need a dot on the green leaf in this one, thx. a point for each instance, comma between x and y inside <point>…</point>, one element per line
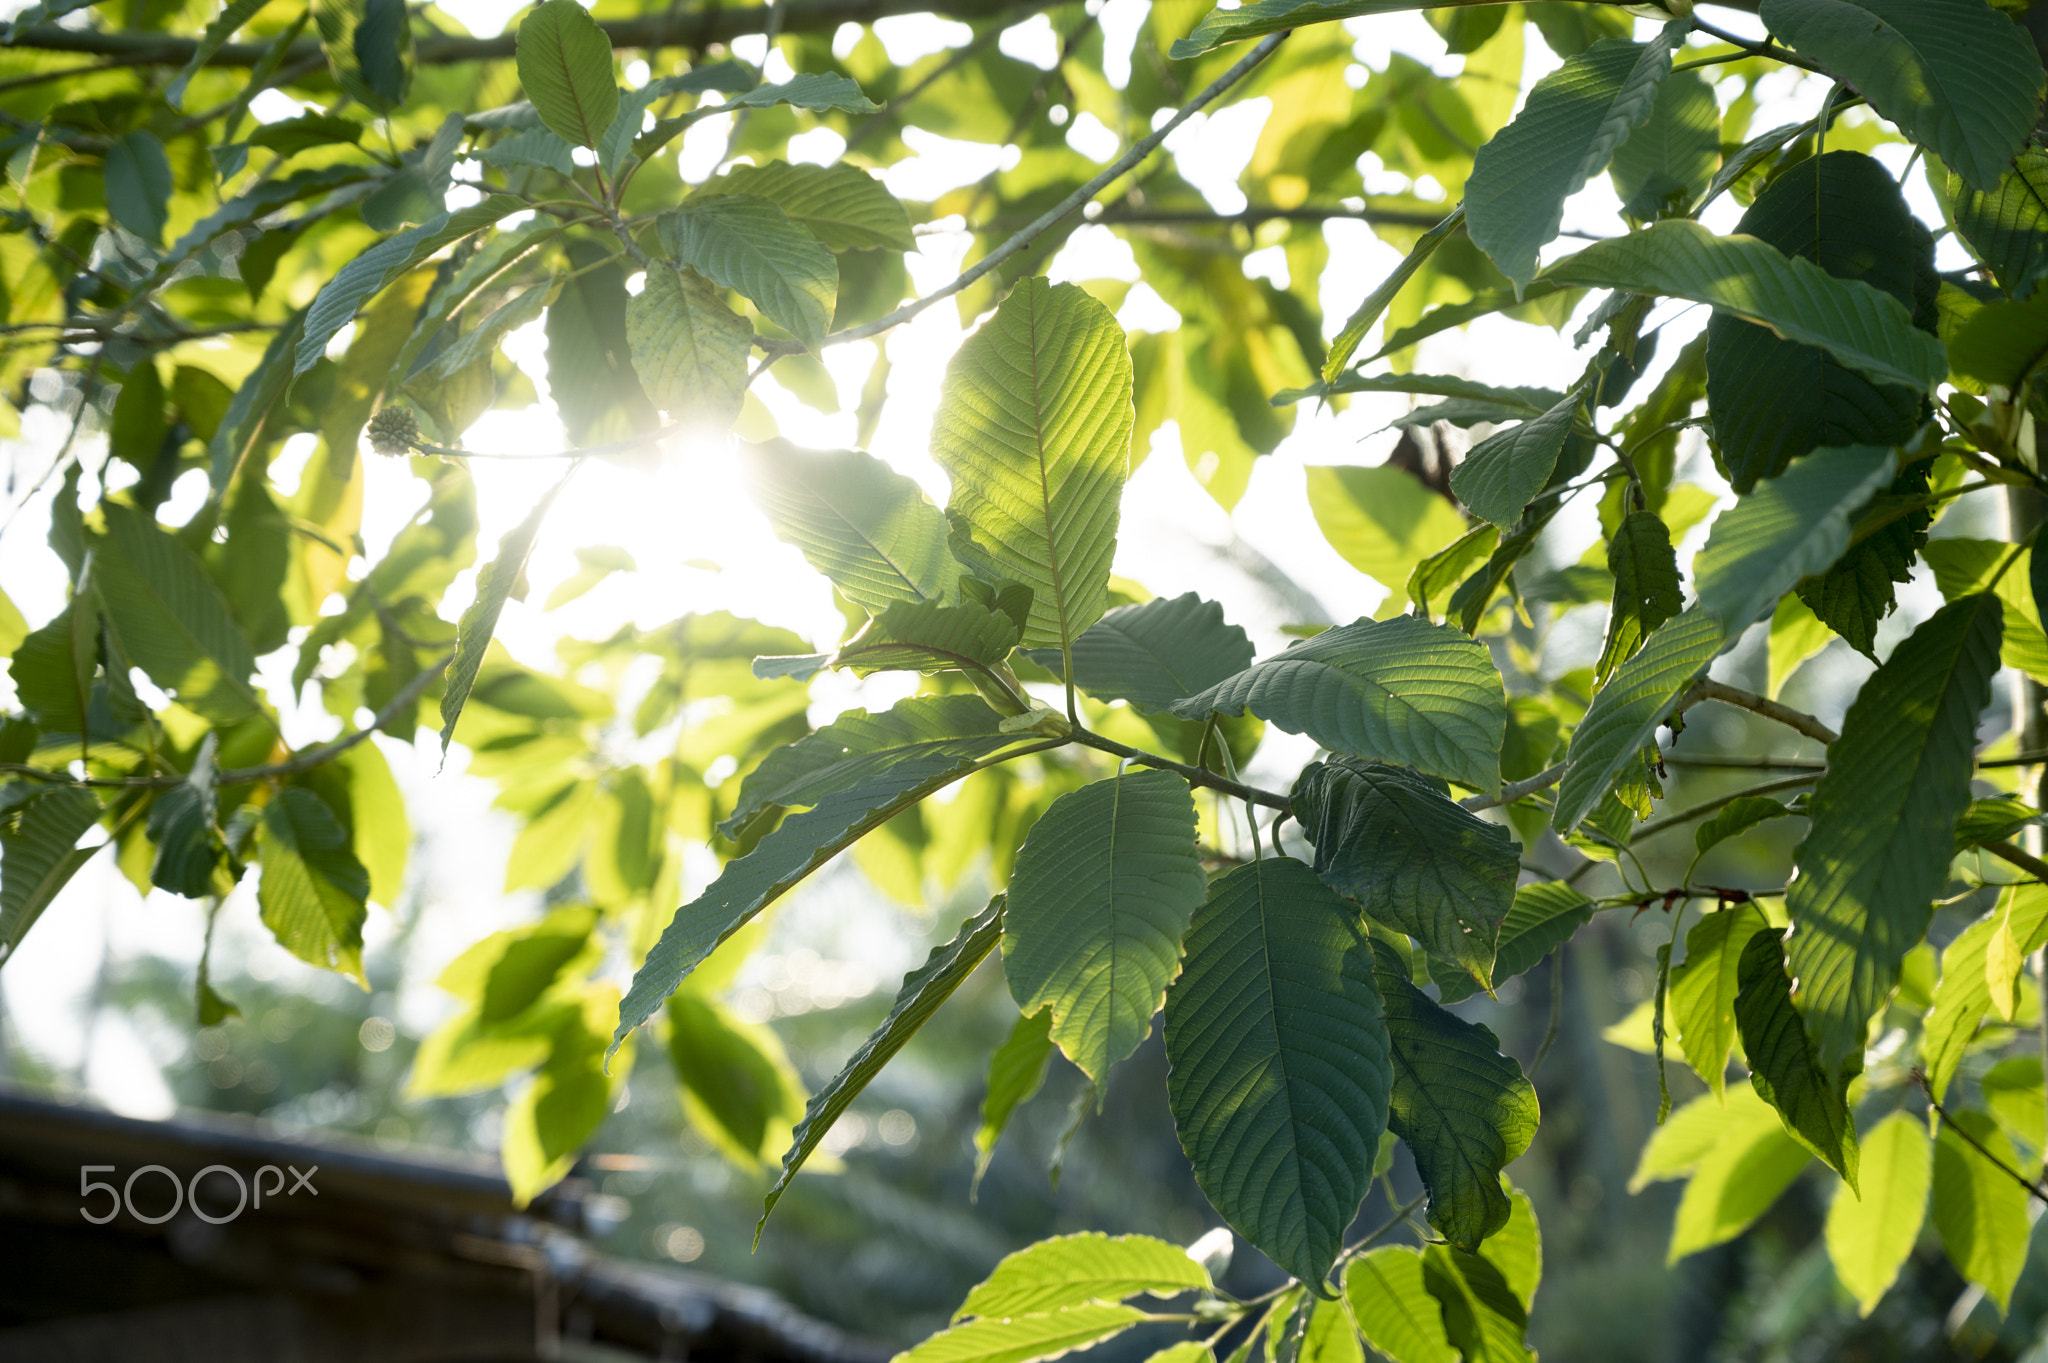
<point>689,348</point>
<point>591,371</point>
<point>39,852</point>
<point>1852,597</point>
<point>2006,225</point>
<point>313,891</point>
<point>1023,1339</point>
<point>1566,133</point>
<point>1796,635</point>
<point>1980,1209</point>
<point>500,579</point>
<point>924,989</point>
<point>1626,712</point>
<point>1384,521</point>
<point>1464,1110</point>
<point>1160,652</point>
<point>1793,526</point>
<point>1870,1236</point>
<point>1963,996</point>
<point>1543,918</point>
<point>1883,823</point>
<point>1100,899</point>
<point>1385,1290</point>
<point>222,27</point>
<point>1646,590</point>
<point>292,135</point>
<point>1076,1270</point>
<point>841,205</point>
<point>368,44</point>
<point>1668,161</point>
<point>565,67</point>
<point>1963,566</point>
<point>181,824</point>
<point>1701,999</point>
<point>1498,476</point>
<point>859,522</point>
<point>1522,401</point>
<point>737,1084</point>
<point>1279,1070</point>
<point>478,346</point>
<point>925,636</point>
<point>1015,1073</point>
<point>1400,690</point>
<point>1330,1337</point>
<point>818,92</point>
<point>1396,844</point>
<point>1482,1316</point>
<point>138,185</point>
<point>1382,296</point>
<point>1865,328</point>
<point>1994,820</point>
<point>1750,1163</point>
<point>537,148</point>
<point>2013,1091</point>
<point>1955,75</point>
<point>2001,341</point>
<point>169,619</point>
<point>1517,1249</point>
<point>1034,429</point>
<point>1749,156</point>
<point>1772,400</point>
<point>1221,26</point>
<point>748,244</point>
<point>1786,1070</point>
<point>356,282</point>
<point>1736,818</point>
<point>855,776</point>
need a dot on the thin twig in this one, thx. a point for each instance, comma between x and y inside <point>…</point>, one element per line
<point>1195,776</point>
<point>1024,237</point>
<point>1708,689</point>
<point>1556,1008</point>
<point>1656,826</point>
<point>2030,1185</point>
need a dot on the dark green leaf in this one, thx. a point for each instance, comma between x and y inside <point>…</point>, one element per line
<point>1398,845</point>
<point>815,91</point>
<point>1667,162</point>
<point>1646,590</point>
<point>924,989</point>
<point>373,66</point>
<point>1157,653</point>
<point>1736,818</point>
<point>167,618</point>
<point>181,824</point>
<point>1773,400</point>
<point>1279,1077</point>
<point>925,636</point>
<point>1785,1069</point>
<point>1464,1110</point>
<point>1566,133</point>
<point>1860,590</point>
<point>539,148</point>
<point>1399,690</point>
<point>1955,75</point>
<point>1994,820</point>
<point>591,373</point>
<point>1034,429</point>
<point>1482,1315</point>
<point>1626,712</point>
<point>1221,26</point>
<point>855,776</point>
<point>1544,917</point>
<point>733,1075</point>
<point>1498,476</point>
<point>1883,824</point>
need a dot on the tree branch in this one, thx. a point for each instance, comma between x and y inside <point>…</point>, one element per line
<point>1656,826</point>
<point>1515,790</point>
<point>1941,1112</point>
<point>1196,776</point>
<point>1708,689</point>
<point>698,30</point>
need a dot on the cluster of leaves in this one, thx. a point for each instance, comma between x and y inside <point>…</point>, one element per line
<point>1849,392</point>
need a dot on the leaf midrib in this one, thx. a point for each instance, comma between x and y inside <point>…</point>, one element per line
<point>1052,548</point>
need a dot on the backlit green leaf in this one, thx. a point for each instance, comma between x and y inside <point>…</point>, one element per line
<point>313,890</point>
<point>495,585</point>
<point>1701,1001</point>
<point>1979,1208</point>
<point>842,205</point>
<point>1023,1339</point>
<point>168,618</point>
<point>1498,476</point>
<point>1384,521</point>
<point>1963,996</point>
<point>1869,1237</point>
<point>1034,429</point>
<point>737,1084</point>
<point>2007,224</point>
<point>860,523</point>
<point>1751,1162</point>
<point>1786,1069</point>
<point>689,348</point>
<point>1074,1270</point>
<point>1865,328</point>
<point>1385,1290</point>
<point>749,245</point>
<point>1159,652</point>
<point>924,989</point>
<point>138,185</point>
<point>39,852</point>
<point>1015,1073</point>
<point>565,66</point>
<point>1543,918</point>
<point>1482,1315</point>
<point>1626,711</point>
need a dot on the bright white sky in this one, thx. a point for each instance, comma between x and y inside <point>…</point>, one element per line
<point>694,511</point>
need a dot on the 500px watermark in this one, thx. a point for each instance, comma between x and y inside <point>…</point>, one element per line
<point>123,1197</point>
